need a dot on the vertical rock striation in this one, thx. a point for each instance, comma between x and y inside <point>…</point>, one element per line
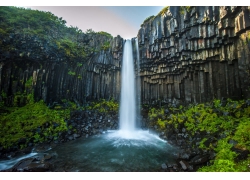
<point>195,54</point>
<point>55,78</point>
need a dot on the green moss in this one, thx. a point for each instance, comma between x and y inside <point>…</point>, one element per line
<point>79,64</point>
<point>105,106</point>
<point>28,83</point>
<point>225,121</point>
<point>224,160</point>
<point>105,46</point>
<point>161,123</point>
<point>71,73</point>
<point>24,122</point>
<point>3,94</point>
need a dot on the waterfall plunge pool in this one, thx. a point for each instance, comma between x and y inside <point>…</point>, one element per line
<point>112,151</point>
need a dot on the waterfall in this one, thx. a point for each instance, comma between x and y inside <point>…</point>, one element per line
<point>128,104</point>
<point>128,128</point>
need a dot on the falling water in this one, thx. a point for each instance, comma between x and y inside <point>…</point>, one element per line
<point>127,106</point>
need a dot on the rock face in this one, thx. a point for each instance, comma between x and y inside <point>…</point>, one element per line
<point>55,78</point>
<point>186,54</point>
<point>195,54</point>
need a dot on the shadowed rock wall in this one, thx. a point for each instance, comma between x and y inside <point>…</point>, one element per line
<point>54,80</point>
<point>195,55</point>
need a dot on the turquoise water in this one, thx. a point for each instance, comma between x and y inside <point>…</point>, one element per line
<point>110,152</point>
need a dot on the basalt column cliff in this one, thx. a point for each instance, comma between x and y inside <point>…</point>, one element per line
<point>195,54</point>
<point>35,65</point>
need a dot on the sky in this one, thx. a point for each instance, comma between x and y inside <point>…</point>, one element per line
<point>115,17</point>
<point>116,20</point>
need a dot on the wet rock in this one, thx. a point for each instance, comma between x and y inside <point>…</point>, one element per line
<point>242,154</point>
<point>70,138</point>
<point>76,135</point>
<point>21,165</point>
<point>233,142</point>
<point>42,148</point>
<point>38,167</point>
<point>47,157</point>
<point>183,164</point>
<point>199,159</point>
<point>164,166</point>
<point>184,155</point>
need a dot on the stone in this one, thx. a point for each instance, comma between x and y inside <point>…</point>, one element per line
<point>184,155</point>
<point>76,135</point>
<point>38,167</point>
<point>164,166</point>
<point>178,73</point>
<point>183,165</point>
<point>47,157</point>
<point>71,138</point>
<point>199,159</point>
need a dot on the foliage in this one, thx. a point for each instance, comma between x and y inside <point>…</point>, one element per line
<point>47,36</point>
<point>32,122</point>
<point>163,11</point>
<point>148,19</point>
<point>105,34</point>
<point>224,161</point>
<point>242,135</point>
<point>72,73</point>
<point>104,106</point>
<point>79,64</point>
<point>105,46</point>
<point>185,8</point>
<point>90,31</point>
<point>224,121</point>
<point>3,94</point>
<point>71,49</point>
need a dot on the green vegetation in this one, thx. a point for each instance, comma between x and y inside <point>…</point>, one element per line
<point>105,46</point>
<point>104,106</point>
<point>26,33</point>
<point>224,122</point>
<point>185,8</point>
<point>105,34</point>
<point>148,19</point>
<point>34,122</point>
<point>79,64</point>
<point>72,73</point>
<point>91,31</point>
<point>163,11</point>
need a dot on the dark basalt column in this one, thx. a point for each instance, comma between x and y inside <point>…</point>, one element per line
<point>195,55</point>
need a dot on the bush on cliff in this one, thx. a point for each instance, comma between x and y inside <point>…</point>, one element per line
<point>38,35</point>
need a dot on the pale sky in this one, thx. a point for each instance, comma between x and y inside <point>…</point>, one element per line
<point>116,20</point>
